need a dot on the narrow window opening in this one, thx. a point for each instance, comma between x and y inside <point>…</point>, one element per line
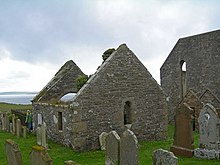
<point>127,113</point>
<point>183,78</point>
<point>60,121</point>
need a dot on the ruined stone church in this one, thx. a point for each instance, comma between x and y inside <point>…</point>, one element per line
<point>121,94</point>
<point>200,54</point>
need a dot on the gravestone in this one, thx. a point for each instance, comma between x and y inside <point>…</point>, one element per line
<point>183,144</point>
<point>24,131</point>
<point>18,128</point>
<point>208,128</point>
<point>209,145</point>
<point>39,156</point>
<point>128,148</point>
<point>13,153</point>
<point>7,123</point>
<point>102,140</point>
<point>4,121</point>
<point>43,136</point>
<point>13,124</point>
<point>10,128</point>
<point>112,148</point>
<point>39,136</point>
<point>163,157</point>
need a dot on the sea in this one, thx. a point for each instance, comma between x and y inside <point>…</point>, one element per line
<point>17,97</point>
<point>26,97</point>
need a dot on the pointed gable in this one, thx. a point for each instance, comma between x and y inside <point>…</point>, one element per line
<point>62,83</point>
<point>208,97</point>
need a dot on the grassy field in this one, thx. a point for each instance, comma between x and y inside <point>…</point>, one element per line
<point>5,107</point>
<point>59,154</point>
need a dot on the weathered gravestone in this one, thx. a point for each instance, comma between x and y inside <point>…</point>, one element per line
<point>209,145</point>
<point>102,140</point>
<point>112,148</point>
<point>18,128</point>
<point>38,132</point>
<point>183,144</point>
<point>7,123</point>
<point>209,128</point>
<point>43,135</point>
<point>163,157</point>
<point>39,156</point>
<point>1,116</point>
<point>13,153</point>
<point>24,131</point>
<point>128,148</point>
<point>13,124</point>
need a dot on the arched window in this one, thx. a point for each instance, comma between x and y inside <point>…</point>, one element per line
<point>68,97</point>
<point>127,113</point>
<point>183,67</point>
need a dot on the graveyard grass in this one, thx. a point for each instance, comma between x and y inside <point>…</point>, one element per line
<point>59,154</point>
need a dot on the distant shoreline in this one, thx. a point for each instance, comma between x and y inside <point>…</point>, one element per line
<point>17,97</point>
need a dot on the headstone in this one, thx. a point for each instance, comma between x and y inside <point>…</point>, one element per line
<point>208,128</point>
<point>43,136</point>
<point>112,148</point>
<point>13,153</point>
<point>10,127</point>
<point>163,157</point>
<point>18,128</point>
<point>4,121</point>
<point>13,124</point>
<point>24,131</point>
<point>209,145</point>
<point>7,123</point>
<point>183,144</point>
<point>102,140</point>
<point>39,136</point>
<point>128,148</point>
<point>40,156</point>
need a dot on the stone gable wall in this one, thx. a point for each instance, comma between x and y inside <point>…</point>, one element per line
<point>62,83</point>
<point>100,104</point>
<point>202,56</point>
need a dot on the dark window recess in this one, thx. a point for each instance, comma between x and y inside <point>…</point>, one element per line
<point>127,113</point>
<point>60,121</point>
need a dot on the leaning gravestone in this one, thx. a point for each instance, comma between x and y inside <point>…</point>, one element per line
<point>13,153</point>
<point>163,157</point>
<point>128,148</point>
<point>112,148</point>
<point>209,145</point>
<point>39,156</point>
<point>102,140</point>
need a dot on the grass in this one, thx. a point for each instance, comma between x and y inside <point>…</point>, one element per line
<point>5,107</point>
<point>59,154</point>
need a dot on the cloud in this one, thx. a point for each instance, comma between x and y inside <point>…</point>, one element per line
<point>51,32</point>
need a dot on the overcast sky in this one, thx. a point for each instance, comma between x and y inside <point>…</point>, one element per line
<point>38,37</point>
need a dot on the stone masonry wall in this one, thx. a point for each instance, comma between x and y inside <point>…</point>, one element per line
<point>50,116</point>
<point>202,56</point>
<point>99,105</point>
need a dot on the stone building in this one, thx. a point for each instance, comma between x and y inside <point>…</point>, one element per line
<point>122,93</point>
<point>201,56</point>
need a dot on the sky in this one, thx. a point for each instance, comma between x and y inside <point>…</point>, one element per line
<point>38,37</point>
